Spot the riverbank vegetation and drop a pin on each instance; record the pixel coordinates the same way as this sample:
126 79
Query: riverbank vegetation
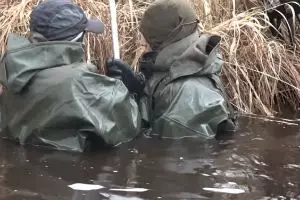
260 72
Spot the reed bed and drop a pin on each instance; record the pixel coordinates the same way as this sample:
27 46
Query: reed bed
260 73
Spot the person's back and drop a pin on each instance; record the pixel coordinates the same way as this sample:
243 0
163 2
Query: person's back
53 98
184 95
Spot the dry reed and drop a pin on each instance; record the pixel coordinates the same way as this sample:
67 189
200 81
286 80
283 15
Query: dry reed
260 73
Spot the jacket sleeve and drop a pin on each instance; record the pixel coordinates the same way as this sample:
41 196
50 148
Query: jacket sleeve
108 106
189 108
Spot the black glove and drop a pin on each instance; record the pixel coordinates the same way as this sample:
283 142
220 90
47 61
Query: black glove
113 71
146 63
135 82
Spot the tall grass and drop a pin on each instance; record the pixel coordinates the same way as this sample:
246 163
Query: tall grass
260 73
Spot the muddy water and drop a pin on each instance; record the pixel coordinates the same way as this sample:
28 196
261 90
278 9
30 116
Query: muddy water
262 161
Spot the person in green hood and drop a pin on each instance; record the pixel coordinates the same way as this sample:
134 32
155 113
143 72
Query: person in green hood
52 97
184 95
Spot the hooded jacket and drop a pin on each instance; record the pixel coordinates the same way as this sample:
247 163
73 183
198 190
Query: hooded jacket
53 98
185 97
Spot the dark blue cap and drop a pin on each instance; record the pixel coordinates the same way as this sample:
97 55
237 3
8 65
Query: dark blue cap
62 20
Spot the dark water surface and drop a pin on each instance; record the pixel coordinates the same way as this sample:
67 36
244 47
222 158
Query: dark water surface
262 161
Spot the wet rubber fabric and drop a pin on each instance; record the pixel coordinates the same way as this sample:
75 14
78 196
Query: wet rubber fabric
53 98
185 97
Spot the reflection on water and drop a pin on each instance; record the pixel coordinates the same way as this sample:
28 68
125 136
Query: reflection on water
262 161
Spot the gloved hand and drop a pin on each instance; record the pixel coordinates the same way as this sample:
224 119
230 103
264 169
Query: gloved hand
146 63
119 69
113 71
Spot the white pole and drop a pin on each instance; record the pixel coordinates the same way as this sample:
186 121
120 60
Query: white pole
114 28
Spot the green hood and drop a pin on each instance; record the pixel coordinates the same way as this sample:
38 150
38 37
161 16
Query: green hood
192 55
168 21
22 66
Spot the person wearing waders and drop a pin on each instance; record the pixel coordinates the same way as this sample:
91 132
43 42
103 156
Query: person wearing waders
183 95
52 97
